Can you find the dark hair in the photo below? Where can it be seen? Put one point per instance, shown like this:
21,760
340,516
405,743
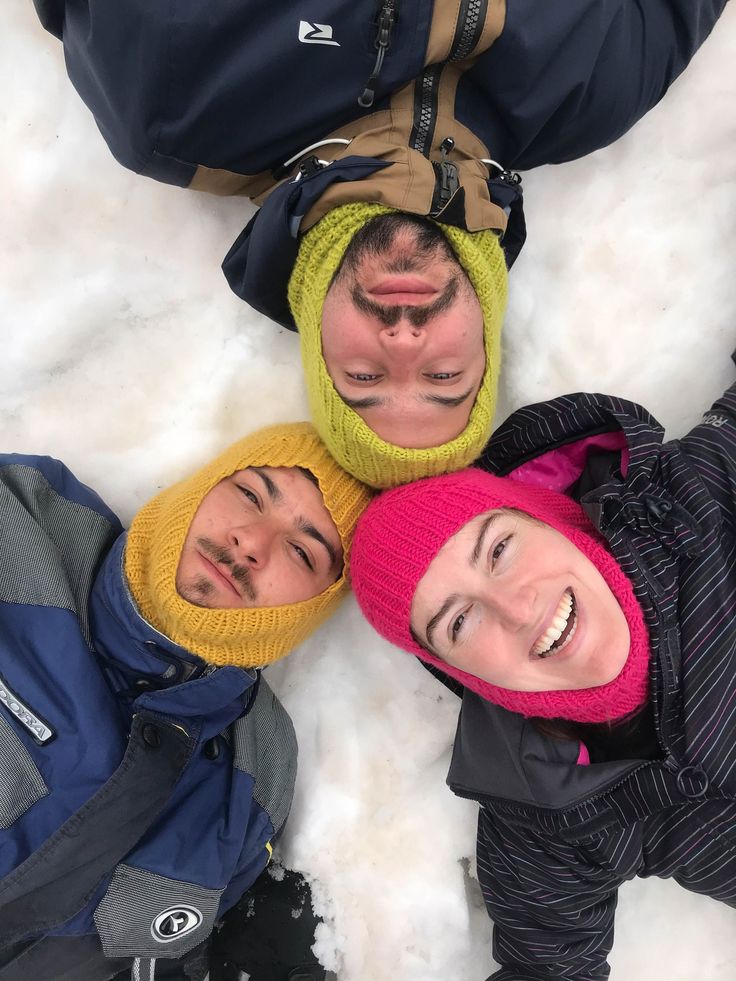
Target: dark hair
377,236
310,476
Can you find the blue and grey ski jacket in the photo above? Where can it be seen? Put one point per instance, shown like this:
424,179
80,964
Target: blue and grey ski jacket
139,787
421,105
556,839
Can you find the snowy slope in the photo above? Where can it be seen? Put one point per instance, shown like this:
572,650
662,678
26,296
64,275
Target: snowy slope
124,354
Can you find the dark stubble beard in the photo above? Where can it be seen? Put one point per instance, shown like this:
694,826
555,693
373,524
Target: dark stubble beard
199,590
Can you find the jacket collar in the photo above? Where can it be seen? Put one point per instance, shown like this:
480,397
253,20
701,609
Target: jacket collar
142,664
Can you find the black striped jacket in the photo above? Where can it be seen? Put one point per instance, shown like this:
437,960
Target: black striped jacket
555,840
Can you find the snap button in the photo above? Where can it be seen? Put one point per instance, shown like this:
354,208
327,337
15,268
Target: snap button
151,736
212,748
692,782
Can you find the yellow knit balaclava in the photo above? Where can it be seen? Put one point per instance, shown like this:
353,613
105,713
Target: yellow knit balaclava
351,441
243,637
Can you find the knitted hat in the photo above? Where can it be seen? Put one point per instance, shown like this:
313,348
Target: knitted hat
401,532
350,440
244,637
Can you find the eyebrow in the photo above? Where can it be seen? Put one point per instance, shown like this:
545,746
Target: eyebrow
370,401
450,401
272,488
366,403
439,615
309,529
474,556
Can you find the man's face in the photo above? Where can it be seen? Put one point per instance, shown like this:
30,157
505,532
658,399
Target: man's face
261,537
402,333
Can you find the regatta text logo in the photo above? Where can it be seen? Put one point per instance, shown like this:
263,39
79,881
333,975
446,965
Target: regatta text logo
713,420
310,33
37,727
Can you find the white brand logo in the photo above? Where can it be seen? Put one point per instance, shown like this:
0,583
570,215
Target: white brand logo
310,33
714,420
37,728
175,922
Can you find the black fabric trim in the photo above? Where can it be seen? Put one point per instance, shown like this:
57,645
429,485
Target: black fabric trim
60,959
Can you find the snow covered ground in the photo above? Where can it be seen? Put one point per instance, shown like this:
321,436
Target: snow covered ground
124,353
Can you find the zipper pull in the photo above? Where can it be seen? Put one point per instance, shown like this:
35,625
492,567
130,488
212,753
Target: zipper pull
386,20
446,146
446,179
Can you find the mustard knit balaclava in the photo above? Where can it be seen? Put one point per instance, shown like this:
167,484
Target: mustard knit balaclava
243,637
351,441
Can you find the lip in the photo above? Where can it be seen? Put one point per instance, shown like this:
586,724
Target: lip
217,575
403,290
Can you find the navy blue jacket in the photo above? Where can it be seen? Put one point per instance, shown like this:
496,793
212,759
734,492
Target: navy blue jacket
230,96
557,839
139,787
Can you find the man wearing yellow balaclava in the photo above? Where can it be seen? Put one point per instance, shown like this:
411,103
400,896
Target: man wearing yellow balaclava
426,109
399,319
150,765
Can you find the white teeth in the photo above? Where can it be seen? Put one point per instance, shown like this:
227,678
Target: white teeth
556,627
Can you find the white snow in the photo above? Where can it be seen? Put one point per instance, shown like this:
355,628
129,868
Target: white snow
125,354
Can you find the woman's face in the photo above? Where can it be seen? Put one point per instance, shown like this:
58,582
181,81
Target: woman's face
513,602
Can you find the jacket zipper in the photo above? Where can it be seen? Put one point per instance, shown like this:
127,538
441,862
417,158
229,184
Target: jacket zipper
387,17
469,26
425,109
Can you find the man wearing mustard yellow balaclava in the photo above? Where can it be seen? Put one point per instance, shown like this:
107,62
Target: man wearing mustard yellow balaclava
148,766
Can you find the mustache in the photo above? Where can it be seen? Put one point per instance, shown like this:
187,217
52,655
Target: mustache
416,315
240,573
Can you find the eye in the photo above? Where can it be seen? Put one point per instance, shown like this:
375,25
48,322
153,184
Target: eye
303,556
442,375
250,495
457,626
499,549
363,376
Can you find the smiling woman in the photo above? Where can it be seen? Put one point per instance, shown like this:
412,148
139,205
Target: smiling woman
507,588
596,661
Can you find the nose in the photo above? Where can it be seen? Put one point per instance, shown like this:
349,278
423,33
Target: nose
514,604
251,545
403,336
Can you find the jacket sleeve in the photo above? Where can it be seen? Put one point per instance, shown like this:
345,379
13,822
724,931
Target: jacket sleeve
711,446
570,78
552,904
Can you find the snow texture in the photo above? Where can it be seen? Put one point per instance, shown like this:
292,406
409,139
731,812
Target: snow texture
125,354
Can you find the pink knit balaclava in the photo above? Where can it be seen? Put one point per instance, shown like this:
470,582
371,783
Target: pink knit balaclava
403,529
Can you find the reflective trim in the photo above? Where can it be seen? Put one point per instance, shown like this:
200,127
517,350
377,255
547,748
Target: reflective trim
21,784
138,915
